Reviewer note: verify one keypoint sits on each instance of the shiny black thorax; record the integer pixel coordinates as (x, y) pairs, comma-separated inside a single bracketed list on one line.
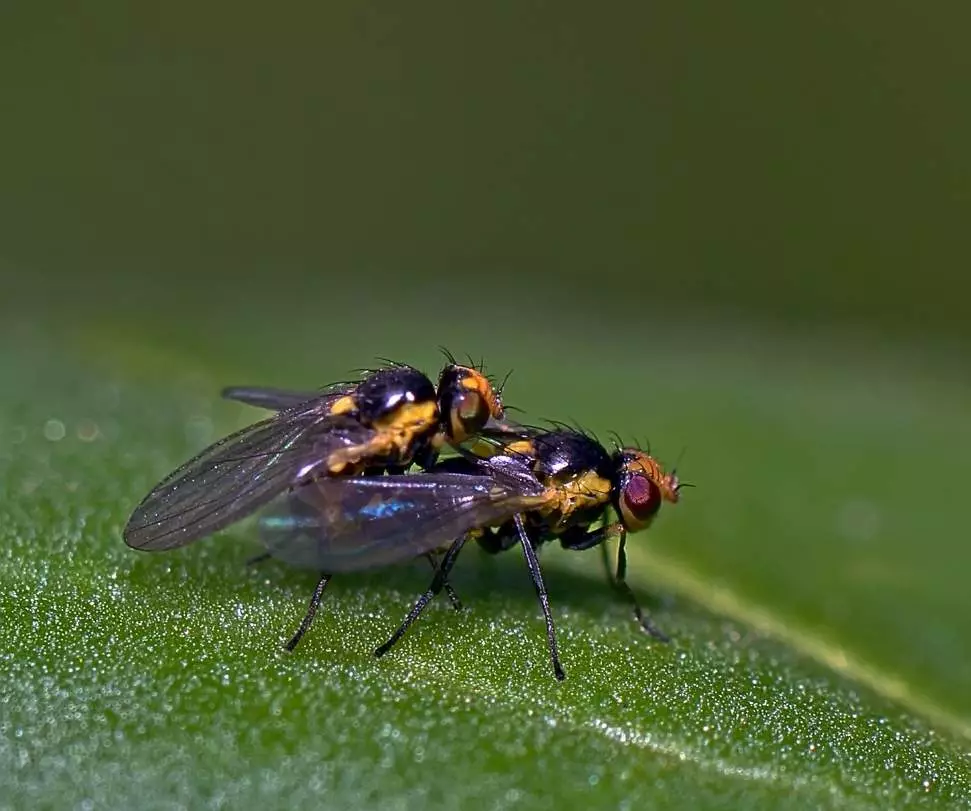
[(381, 396), (557, 458), (563, 454), (385, 391)]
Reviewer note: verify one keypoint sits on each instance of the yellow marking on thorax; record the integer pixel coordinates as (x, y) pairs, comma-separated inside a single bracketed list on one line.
[(523, 447), (486, 450), (344, 405), (394, 433), (586, 491), (410, 416)]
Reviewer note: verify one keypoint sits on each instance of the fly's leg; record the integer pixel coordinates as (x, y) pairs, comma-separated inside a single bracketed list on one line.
[(620, 583), (308, 618), (315, 599), (453, 598), (426, 457), (438, 583), (532, 563), (581, 540)]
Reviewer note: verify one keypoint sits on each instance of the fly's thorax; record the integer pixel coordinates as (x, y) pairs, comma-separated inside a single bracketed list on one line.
[(640, 487), (409, 420), (383, 395), (396, 439), (524, 448), (520, 451), (575, 470), (344, 406), (564, 454), (399, 405), (467, 401), (577, 498), (347, 462)]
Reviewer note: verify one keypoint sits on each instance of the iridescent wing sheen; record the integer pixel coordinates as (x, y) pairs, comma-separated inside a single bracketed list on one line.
[(238, 474), (349, 524)]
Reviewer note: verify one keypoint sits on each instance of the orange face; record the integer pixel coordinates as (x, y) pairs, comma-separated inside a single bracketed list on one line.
[(638, 462), (643, 487)]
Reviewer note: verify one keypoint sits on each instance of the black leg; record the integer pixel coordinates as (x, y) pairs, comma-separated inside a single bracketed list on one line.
[(583, 539), (308, 618), (452, 596), (426, 458), (605, 559), (620, 582), (258, 558), (532, 563), (438, 582)]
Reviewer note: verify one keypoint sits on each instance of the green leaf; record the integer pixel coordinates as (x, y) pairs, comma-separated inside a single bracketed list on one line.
[(813, 584)]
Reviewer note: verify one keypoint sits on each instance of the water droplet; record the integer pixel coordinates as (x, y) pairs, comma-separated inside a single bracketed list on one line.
[(54, 430), (88, 430)]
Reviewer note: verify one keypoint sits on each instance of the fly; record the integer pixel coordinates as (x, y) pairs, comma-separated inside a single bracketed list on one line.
[(537, 486), (389, 419)]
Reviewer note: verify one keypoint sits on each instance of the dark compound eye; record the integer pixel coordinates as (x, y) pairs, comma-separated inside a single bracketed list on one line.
[(469, 406), (640, 499), (468, 413)]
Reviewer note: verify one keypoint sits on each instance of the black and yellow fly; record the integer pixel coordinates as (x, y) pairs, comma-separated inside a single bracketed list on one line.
[(532, 487), (385, 421)]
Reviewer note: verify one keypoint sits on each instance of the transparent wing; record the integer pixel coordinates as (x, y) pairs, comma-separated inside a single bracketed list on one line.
[(282, 399), (497, 437), (338, 525), (236, 475), (505, 427)]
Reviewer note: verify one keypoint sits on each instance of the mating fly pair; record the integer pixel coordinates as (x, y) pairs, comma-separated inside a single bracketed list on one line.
[(319, 465), (391, 418)]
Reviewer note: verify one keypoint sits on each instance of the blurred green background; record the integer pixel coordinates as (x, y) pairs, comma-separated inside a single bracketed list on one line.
[(736, 229), (785, 162)]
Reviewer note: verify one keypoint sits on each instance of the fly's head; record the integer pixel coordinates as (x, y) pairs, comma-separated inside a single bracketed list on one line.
[(467, 400), (640, 487)]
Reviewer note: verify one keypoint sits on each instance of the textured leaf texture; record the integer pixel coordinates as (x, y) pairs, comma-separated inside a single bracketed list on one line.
[(815, 597)]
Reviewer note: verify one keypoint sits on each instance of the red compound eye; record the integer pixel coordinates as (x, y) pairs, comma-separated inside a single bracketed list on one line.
[(641, 497)]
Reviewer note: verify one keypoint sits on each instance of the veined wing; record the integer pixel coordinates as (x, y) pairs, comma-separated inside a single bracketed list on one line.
[(233, 477), (349, 524)]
